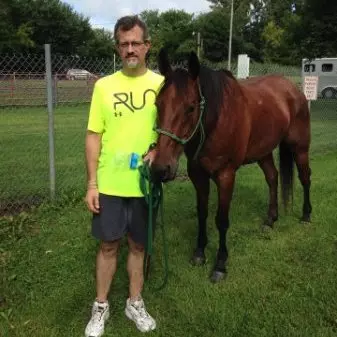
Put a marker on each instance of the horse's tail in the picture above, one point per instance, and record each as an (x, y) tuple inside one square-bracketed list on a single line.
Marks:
[(286, 172)]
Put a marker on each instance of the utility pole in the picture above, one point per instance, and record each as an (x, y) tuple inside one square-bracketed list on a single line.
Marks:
[(198, 44), (230, 36)]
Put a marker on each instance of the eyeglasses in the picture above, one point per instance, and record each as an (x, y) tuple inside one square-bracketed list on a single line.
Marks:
[(134, 44)]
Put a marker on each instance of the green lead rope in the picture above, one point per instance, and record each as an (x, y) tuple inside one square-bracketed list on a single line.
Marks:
[(154, 198)]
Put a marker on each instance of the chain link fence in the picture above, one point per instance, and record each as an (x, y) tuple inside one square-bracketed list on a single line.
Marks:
[(23, 79), (25, 128)]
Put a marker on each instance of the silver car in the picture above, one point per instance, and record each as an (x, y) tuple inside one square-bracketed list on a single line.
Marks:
[(79, 74)]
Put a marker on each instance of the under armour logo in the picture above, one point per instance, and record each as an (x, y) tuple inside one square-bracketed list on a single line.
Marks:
[(118, 114)]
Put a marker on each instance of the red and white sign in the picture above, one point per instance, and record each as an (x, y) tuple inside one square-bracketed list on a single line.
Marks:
[(310, 87)]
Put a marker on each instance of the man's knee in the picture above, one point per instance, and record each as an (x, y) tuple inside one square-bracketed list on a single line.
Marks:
[(109, 249), (134, 247)]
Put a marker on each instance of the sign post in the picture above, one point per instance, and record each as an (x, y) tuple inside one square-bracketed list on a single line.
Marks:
[(243, 66), (310, 88)]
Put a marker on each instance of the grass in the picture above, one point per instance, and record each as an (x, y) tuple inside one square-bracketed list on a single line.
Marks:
[(34, 92), (282, 283), (25, 167)]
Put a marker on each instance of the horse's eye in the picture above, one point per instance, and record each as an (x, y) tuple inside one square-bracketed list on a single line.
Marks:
[(190, 109)]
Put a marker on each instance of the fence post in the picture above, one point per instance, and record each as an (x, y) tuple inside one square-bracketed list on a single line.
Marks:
[(50, 120), (55, 84)]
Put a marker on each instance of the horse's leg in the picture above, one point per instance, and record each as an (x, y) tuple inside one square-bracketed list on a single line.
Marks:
[(301, 156), (271, 174), (200, 179), (298, 139), (225, 182)]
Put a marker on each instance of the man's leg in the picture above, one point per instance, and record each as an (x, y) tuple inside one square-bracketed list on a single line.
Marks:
[(135, 269), (109, 227), (135, 307), (106, 266), (137, 238)]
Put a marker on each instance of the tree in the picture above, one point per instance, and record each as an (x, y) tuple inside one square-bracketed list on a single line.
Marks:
[(317, 36), (273, 36), (214, 27), (152, 19), (246, 27), (172, 30), (13, 37), (100, 45), (26, 25)]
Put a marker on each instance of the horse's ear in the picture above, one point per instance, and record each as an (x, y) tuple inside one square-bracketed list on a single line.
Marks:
[(193, 65), (164, 63)]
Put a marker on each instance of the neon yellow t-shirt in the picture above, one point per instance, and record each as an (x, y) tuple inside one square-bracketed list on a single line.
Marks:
[(123, 111)]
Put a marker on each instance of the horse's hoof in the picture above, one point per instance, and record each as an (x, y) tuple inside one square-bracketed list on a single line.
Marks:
[(268, 224), (217, 276), (198, 260), (266, 228), (306, 218)]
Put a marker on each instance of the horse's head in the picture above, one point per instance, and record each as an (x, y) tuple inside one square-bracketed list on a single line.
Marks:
[(179, 114)]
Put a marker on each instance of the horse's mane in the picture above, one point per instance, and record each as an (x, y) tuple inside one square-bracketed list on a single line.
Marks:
[(214, 84)]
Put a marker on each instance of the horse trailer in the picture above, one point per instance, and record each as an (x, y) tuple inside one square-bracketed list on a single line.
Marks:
[(326, 71)]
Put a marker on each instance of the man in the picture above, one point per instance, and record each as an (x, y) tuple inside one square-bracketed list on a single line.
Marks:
[(120, 131)]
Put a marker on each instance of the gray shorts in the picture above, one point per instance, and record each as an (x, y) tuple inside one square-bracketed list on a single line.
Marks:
[(120, 216)]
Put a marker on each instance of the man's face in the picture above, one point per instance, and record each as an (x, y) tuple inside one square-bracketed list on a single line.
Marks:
[(132, 48)]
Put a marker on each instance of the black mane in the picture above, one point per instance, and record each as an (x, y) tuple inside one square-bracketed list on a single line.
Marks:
[(213, 85)]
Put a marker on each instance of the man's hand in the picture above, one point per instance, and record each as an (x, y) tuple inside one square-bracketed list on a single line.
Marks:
[(92, 199), (149, 157)]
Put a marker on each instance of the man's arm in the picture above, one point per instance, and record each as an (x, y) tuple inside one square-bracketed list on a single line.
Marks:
[(92, 151)]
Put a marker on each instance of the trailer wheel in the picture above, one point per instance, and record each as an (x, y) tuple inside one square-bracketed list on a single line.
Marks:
[(329, 93)]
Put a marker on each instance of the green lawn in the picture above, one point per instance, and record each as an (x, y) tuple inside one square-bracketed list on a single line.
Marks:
[(282, 283), (25, 161), (25, 165), (20, 92)]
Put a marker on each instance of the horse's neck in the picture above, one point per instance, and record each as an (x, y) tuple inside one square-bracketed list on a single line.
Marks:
[(231, 93)]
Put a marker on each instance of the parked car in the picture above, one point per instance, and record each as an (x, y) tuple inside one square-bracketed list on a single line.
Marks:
[(80, 74)]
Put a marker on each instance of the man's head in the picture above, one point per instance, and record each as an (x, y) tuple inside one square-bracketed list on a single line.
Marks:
[(132, 41)]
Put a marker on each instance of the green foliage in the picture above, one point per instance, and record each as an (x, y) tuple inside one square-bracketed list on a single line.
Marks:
[(273, 37), (51, 21), (319, 28), (100, 45), (26, 25), (172, 30), (215, 31), (281, 31), (24, 36)]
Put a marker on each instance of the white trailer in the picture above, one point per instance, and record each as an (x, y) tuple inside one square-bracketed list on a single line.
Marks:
[(326, 71)]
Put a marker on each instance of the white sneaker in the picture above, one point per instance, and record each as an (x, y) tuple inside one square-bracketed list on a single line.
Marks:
[(136, 312), (99, 314)]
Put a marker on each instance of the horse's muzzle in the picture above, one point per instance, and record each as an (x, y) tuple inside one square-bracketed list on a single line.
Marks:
[(163, 173)]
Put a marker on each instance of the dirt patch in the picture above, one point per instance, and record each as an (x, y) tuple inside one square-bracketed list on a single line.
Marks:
[(15, 207), (182, 177)]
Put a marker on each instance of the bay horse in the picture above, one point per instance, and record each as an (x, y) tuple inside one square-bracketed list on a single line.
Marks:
[(222, 123)]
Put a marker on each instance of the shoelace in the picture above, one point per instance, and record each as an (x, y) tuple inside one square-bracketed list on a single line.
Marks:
[(98, 313), (141, 310)]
